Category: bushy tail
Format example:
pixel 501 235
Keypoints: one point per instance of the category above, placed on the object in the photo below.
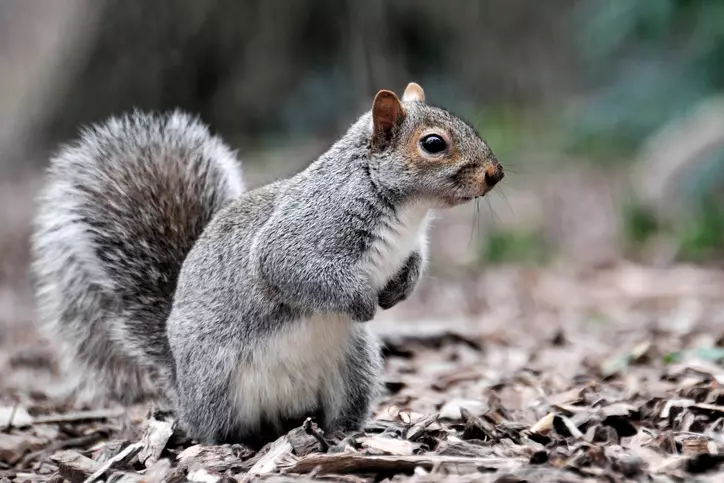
pixel 121 208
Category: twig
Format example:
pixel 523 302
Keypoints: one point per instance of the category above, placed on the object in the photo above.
pixel 79 416
pixel 311 429
pixel 341 463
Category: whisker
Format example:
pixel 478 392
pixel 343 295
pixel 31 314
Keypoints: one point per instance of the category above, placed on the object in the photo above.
pixel 504 197
pixel 477 224
pixel 492 211
pixel 508 186
pixel 513 169
pixel 472 229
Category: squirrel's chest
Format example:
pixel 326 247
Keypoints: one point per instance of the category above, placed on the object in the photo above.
pixel 395 238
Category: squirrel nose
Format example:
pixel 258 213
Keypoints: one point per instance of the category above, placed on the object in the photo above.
pixel 493 174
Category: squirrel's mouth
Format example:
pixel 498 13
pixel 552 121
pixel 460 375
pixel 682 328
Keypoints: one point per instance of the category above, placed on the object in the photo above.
pixel 461 200
pixel 458 200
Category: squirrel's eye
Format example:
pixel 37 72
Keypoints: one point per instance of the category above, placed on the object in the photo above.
pixel 433 144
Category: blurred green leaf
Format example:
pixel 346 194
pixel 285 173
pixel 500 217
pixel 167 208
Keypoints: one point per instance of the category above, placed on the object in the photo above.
pixel 672 357
pixel 711 354
pixel 703 234
pixel 511 246
pixel 639 223
pixel 503 129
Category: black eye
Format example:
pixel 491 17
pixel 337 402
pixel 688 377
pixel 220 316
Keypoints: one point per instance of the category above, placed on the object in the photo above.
pixel 433 144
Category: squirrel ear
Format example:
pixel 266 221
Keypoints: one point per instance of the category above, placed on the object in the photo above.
pixel 414 92
pixel 387 115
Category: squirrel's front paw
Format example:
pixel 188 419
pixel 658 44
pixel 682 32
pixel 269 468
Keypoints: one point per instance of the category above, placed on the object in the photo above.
pixel 389 298
pixel 363 309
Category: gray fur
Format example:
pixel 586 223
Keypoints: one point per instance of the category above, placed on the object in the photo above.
pixel 120 210
pixel 267 321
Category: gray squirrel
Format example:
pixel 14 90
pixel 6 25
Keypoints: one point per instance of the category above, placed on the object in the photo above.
pixel 163 278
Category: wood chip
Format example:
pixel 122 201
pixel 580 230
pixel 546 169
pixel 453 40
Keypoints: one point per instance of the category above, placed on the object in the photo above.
pixel 396 447
pixel 476 428
pixel 565 427
pixel 73 466
pixel 675 403
pixel 544 425
pixel 14 446
pixel 692 446
pixel 713 409
pixel 154 441
pixel 219 458
pixel 119 460
pixel 158 472
pixel 457 447
pixel 203 475
pixel 451 409
pixel 419 427
pixel 279 451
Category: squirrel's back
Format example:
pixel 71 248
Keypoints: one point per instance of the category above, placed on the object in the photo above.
pixel 121 208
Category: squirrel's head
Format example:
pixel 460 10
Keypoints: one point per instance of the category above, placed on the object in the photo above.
pixel 425 151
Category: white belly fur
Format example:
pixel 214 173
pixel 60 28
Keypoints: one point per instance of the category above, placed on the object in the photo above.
pixel 287 373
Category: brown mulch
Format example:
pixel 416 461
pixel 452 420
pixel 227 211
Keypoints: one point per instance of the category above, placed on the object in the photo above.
pixel 612 375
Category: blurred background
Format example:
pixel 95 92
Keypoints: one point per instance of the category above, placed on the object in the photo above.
pixel 607 114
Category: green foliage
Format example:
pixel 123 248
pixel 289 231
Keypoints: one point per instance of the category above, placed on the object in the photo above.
pixel 702 237
pixel 514 246
pixel 649 62
pixel 503 128
pixel 699 234
pixel 639 225
pixel 702 233
pixel 702 184
pixel 512 131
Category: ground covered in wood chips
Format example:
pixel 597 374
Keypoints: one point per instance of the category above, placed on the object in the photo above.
pixel 522 374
